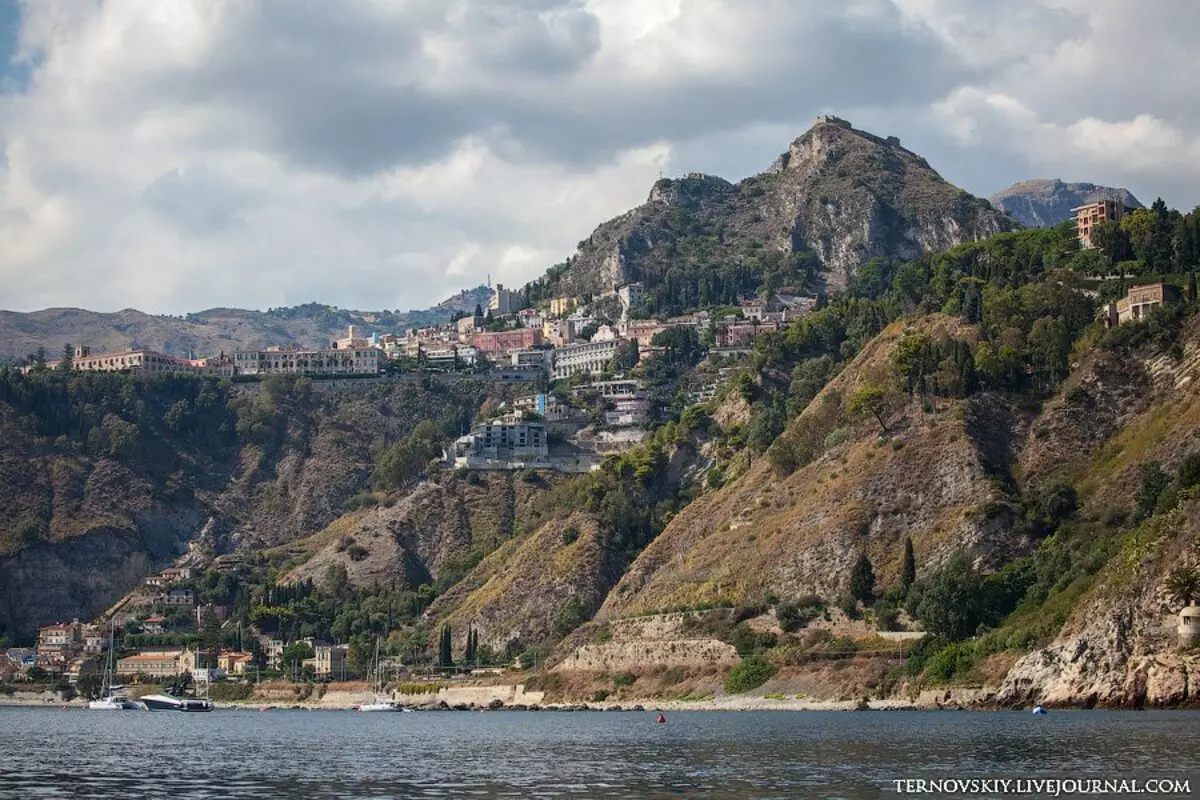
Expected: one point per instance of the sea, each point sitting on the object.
(75, 753)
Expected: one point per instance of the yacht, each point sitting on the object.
(113, 696)
(170, 702)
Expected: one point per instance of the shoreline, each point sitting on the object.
(734, 704)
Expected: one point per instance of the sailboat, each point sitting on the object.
(112, 695)
(380, 703)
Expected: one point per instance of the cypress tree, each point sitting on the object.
(862, 580)
(444, 657)
(908, 568)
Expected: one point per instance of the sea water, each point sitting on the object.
(53, 753)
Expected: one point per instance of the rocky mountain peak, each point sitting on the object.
(1045, 202)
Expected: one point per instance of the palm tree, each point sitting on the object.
(1183, 585)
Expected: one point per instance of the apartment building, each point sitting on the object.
(1089, 215)
(584, 358)
(504, 440)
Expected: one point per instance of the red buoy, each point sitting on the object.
(662, 718)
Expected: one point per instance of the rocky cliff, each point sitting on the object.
(1047, 202)
(838, 195)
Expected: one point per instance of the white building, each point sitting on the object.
(504, 442)
(586, 357)
(277, 361)
(540, 358)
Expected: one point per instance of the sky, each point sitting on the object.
(176, 155)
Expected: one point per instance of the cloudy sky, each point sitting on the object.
(173, 155)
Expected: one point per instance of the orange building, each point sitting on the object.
(1087, 216)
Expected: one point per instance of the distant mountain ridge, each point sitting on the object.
(209, 332)
(1046, 202)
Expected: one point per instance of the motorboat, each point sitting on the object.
(170, 702)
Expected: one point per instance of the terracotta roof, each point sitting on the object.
(152, 656)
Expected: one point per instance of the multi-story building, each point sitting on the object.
(95, 639)
(1087, 216)
(561, 306)
(62, 638)
(584, 358)
(530, 318)
(234, 662)
(1140, 302)
(154, 665)
(505, 440)
(558, 332)
(506, 341)
(642, 331)
(742, 334)
(179, 598)
(633, 298)
(278, 361)
(142, 362)
(502, 301)
(328, 661)
(542, 358)
(452, 357)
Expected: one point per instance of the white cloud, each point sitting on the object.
(178, 154)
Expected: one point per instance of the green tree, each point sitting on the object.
(1183, 585)
(949, 604)
(445, 657)
(1111, 241)
(862, 580)
(294, 655)
(90, 685)
(68, 357)
(1152, 482)
(1188, 474)
(908, 566)
(870, 400)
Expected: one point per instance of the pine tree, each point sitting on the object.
(68, 357)
(908, 568)
(862, 580)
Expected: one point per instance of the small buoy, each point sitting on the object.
(662, 718)
(1039, 710)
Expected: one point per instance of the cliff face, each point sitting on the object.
(1119, 644)
(1046, 203)
(841, 194)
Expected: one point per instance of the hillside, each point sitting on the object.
(1045, 203)
(104, 478)
(208, 332)
(800, 534)
(837, 198)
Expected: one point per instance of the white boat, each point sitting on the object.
(380, 703)
(112, 695)
(169, 702)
